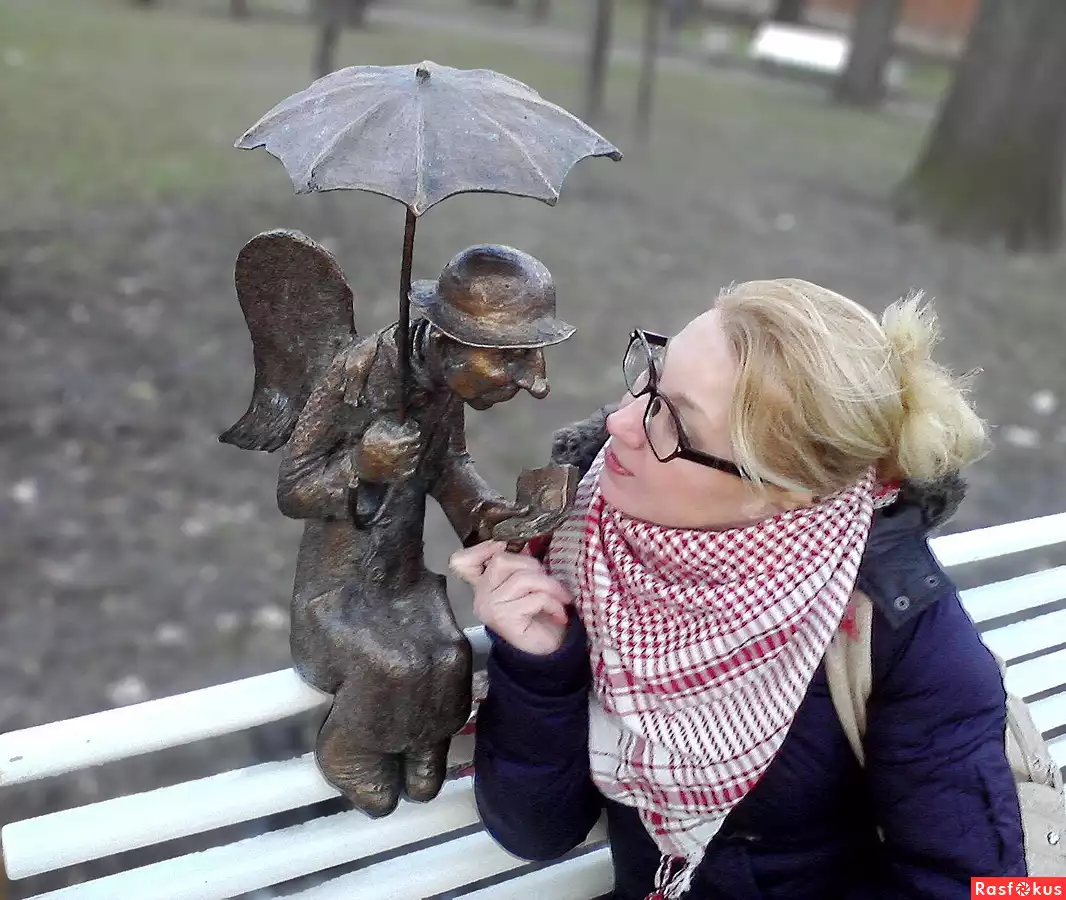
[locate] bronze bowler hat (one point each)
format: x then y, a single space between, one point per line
493 296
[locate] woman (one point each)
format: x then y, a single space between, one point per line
663 663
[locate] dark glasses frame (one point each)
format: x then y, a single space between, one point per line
656 401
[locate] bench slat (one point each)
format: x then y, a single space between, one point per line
589 875
73 836
1030 636
999 540
433 870
279 856
807 48
1015 595
419 875
1037 675
1049 714
66 746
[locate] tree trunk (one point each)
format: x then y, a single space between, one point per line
541 11
992 167
599 55
648 58
330 23
789 11
678 14
238 9
873 33
355 13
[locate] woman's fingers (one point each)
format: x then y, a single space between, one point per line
548 606
525 613
469 564
510 608
502 566
518 585
514 596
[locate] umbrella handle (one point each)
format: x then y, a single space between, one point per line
404 336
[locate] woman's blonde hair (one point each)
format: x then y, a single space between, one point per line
825 390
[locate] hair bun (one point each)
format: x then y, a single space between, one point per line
940 431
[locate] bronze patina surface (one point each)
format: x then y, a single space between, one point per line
370 623
372 425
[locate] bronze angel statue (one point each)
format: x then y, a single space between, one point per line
370 623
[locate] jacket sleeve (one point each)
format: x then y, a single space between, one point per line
531 761
937 772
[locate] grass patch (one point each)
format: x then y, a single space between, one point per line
113 103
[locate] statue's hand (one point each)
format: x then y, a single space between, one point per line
491 513
400 669
388 451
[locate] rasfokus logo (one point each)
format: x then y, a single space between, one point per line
1017 887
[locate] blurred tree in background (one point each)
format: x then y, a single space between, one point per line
992 167
873 32
540 10
598 57
789 11
649 55
333 16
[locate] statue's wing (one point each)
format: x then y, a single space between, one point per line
298 307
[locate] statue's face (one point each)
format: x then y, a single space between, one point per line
485 376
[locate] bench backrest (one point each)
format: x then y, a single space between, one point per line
801 48
1023 619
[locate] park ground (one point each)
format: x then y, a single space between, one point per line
139 556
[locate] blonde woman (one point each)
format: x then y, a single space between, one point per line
662 659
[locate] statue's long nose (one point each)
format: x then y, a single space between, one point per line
539 388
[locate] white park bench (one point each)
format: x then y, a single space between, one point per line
1023 619
812 51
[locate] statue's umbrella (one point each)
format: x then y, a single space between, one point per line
419 134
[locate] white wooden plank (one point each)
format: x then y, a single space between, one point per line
73 744
419 875
582 878
1015 595
1049 714
73 836
430 871
1038 675
999 540
1030 636
278 856
806 48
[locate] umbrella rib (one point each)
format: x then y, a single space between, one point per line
420 160
601 146
293 104
514 139
331 145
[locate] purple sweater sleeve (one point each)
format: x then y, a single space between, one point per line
531 760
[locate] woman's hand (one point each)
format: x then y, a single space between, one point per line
515 597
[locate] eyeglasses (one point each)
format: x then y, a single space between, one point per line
642 367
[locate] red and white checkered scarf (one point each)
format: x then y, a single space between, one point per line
703 644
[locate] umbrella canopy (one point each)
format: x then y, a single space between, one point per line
419 134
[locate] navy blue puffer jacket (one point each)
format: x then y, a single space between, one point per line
934 805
